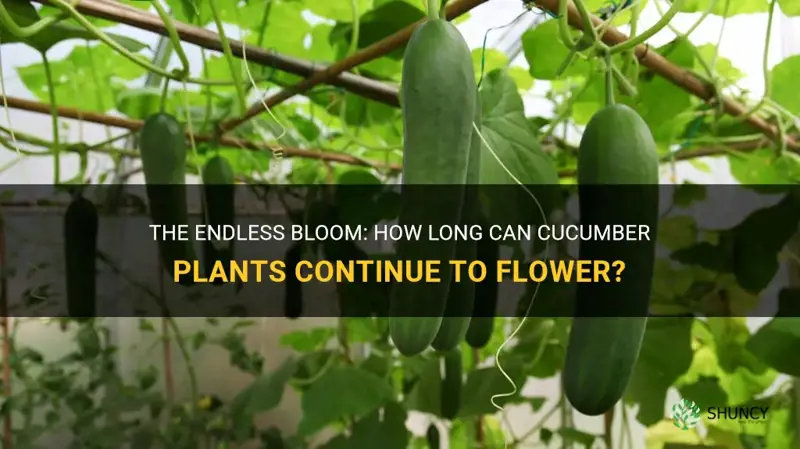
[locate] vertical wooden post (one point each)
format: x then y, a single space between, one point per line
8 437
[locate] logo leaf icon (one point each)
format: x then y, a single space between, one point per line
685 414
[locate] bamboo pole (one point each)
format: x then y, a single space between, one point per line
137 18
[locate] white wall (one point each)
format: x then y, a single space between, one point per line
742 48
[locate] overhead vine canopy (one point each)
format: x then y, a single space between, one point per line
245 91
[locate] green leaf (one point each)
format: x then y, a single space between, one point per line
677 232
789 7
340 10
781 429
485 383
784 84
688 193
487 60
510 139
375 25
734 8
721 354
665 435
724 67
761 170
521 77
86 79
660 102
385 430
545 52
759 239
531 336
139 103
342 392
264 394
774 341
425 397
705 392
307 340
666 354
286 28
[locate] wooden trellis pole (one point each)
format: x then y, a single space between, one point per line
135 125
137 18
671 72
381 48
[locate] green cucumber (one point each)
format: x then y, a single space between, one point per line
293 288
219 206
484 310
80 251
461 297
162 144
432 437
452 384
438 89
617 184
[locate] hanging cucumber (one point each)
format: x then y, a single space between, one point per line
438 90
80 250
617 184
293 288
219 209
432 437
461 297
162 144
451 384
481 325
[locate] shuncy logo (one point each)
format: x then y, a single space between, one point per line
685 414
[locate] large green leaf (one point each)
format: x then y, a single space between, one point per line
759 239
87 79
784 83
511 155
724 372
386 430
666 354
426 394
340 10
773 343
487 384
790 7
264 394
720 7
761 170
342 392
546 53
660 102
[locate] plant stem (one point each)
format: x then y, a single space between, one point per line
563 24
633 42
7 21
433 9
539 424
174 38
764 67
226 48
609 79
586 22
51 91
